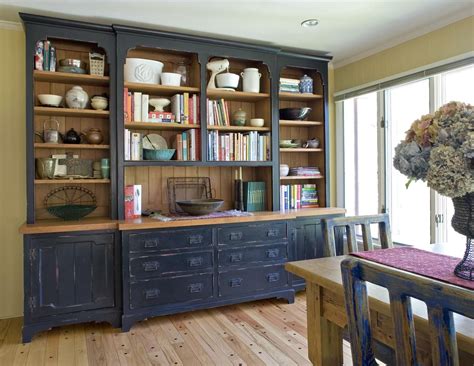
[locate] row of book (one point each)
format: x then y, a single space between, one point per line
185 143
254 196
218 113
288 85
184 108
250 146
295 196
45 56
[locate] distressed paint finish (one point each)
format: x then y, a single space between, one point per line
349 224
442 300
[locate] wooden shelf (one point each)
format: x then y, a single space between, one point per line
40 145
74 181
159 126
302 177
284 122
238 128
298 97
70 78
69 112
236 95
299 150
156 89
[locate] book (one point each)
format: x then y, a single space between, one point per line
127 136
129 107
128 202
186 108
137 200
125 110
144 109
185 145
135 146
137 106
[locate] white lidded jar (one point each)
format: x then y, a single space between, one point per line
251 80
77 98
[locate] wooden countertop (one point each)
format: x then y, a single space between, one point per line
148 223
89 224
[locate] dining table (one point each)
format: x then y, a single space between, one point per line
326 312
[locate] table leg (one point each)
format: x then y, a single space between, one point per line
324 337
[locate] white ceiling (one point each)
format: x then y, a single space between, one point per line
348 29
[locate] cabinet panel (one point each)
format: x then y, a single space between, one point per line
252 233
157 265
170 239
71 273
250 280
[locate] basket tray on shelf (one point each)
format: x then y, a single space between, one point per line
70 202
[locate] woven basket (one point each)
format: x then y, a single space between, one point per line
463 219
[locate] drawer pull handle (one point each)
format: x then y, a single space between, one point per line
195 239
151 266
235 282
234 258
195 288
151 243
273 253
272 233
236 236
273 277
152 294
195 262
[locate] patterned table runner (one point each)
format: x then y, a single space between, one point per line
214 215
437 266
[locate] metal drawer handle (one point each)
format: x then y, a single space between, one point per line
272 233
236 236
233 258
195 239
235 282
273 277
273 253
151 266
152 294
195 262
195 287
151 243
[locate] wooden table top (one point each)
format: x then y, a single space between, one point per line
326 272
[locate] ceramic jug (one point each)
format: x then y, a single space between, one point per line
306 84
77 98
251 80
239 117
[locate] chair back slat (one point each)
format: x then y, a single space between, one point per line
349 225
443 337
442 300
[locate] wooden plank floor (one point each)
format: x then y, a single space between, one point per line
268 332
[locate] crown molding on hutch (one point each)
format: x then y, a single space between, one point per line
10 25
405 38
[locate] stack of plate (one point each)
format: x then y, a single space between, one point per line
305 171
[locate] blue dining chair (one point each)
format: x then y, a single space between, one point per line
441 299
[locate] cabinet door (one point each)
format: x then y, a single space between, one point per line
70 273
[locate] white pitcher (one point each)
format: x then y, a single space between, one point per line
251 80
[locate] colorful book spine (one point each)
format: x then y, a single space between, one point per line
144 107
128 202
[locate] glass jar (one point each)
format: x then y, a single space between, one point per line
183 70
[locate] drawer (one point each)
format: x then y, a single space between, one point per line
252 280
253 254
170 239
252 233
161 264
170 290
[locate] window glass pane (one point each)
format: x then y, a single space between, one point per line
410 208
360 153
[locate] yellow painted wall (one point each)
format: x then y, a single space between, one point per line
452 40
12 170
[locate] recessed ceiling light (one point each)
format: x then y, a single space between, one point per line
310 23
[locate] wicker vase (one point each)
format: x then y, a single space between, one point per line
463 223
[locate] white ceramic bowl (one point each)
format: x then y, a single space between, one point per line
99 104
159 103
140 70
227 80
50 99
284 170
257 122
170 78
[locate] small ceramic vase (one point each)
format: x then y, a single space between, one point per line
239 117
77 98
251 80
105 168
306 85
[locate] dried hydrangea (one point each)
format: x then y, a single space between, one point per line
439 148
449 173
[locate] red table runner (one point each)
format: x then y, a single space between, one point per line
437 266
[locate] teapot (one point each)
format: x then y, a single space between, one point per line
312 143
50 134
93 136
72 137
